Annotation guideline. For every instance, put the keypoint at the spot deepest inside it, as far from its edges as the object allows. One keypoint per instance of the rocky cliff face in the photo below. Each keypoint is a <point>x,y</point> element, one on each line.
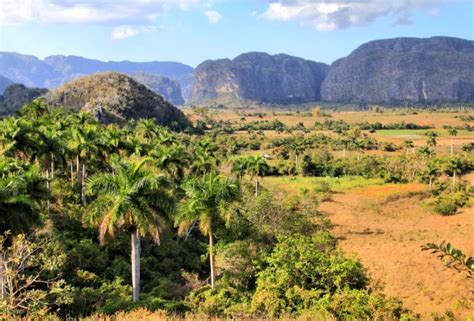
<point>115,97</point>
<point>17,95</point>
<point>169,89</point>
<point>404,70</point>
<point>259,77</point>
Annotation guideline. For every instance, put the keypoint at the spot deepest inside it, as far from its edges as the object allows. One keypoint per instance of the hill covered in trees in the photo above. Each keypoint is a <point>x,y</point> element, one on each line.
<point>115,97</point>
<point>4,83</point>
<point>17,95</point>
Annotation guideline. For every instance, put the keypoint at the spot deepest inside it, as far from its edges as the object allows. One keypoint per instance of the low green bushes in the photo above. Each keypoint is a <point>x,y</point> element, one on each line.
<point>448,204</point>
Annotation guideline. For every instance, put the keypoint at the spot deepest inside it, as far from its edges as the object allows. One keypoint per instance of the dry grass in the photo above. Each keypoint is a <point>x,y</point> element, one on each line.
<point>147,315</point>
<point>385,226</point>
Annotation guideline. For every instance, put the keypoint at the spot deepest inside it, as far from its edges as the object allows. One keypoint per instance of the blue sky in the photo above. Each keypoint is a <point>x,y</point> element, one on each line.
<point>191,31</point>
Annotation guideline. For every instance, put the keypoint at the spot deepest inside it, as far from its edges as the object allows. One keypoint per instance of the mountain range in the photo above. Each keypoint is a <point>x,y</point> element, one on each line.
<point>392,71</point>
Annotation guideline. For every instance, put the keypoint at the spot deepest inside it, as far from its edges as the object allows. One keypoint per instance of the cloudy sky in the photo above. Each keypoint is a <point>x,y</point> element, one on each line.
<point>191,31</point>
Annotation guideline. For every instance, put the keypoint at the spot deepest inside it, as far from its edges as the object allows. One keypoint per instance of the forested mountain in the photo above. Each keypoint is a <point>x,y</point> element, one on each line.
<point>115,97</point>
<point>17,95</point>
<point>402,70</point>
<point>259,77</point>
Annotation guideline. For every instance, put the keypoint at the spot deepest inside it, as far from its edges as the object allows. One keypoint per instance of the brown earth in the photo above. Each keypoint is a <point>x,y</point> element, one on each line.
<point>386,232</point>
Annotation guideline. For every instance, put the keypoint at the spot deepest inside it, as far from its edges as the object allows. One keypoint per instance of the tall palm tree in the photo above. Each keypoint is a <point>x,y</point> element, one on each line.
<point>133,198</point>
<point>256,167</point>
<point>431,173</point>
<point>455,167</point>
<point>452,132</point>
<point>431,141</point>
<point>239,166</point>
<point>206,199</point>
<point>84,144</point>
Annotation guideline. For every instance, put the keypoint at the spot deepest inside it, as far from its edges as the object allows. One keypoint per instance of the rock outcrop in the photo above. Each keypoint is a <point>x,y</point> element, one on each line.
<point>258,77</point>
<point>404,70</point>
<point>168,88</point>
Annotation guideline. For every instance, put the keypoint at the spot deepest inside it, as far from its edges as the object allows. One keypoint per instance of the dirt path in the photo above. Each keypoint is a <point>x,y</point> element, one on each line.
<point>387,235</point>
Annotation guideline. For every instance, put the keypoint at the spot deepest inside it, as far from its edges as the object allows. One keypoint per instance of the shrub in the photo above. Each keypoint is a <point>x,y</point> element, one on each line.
<point>448,204</point>
<point>300,271</point>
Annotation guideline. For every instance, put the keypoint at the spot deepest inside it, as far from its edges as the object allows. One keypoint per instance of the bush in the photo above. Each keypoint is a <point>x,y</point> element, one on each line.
<point>300,271</point>
<point>448,204</point>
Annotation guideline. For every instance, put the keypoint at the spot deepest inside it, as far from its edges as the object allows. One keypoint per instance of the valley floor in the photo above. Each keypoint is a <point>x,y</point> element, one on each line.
<point>386,233</point>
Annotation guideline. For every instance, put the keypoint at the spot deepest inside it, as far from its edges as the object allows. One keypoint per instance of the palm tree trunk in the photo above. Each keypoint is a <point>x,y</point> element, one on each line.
<point>78,169</point>
<point>430,185</point>
<point>83,184</point>
<point>72,172</point>
<point>135,257</point>
<point>211,258</point>
<point>452,146</point>
<point>256,186</point>
<point>454,180</point>
<point>3,282</point>
<point>52,167</point>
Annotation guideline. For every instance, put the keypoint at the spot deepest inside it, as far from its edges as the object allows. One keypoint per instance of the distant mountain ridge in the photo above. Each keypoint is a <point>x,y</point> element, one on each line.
<point>54,71</point>
<point>260,77</point>
<point>395,71</point>
<point>401,70</point>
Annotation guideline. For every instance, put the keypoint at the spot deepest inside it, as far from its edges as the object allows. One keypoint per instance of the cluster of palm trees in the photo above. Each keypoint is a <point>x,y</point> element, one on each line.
<point>137,178</point>
<point>254,166</point>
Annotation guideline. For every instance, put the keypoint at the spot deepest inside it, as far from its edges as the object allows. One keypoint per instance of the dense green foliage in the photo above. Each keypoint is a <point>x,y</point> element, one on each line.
<point>78,194</point>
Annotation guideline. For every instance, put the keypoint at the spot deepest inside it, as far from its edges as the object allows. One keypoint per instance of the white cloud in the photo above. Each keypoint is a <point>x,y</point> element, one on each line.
<point>328,15</point>
<point>213,16</point>
<point>123,32</point>
<point>90,11</point>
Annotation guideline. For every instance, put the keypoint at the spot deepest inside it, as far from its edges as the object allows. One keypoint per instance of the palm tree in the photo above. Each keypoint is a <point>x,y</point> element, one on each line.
<point>452,132</point>
<point>173,159</point>
<point>408,144</point>
<point>358,146</point>
<point>425,151</point>
<point>21,191</point>
<point>297,149</point>
<point>455,167</point>
<point>257,166</point>
<point>133,198</point>
<point>239,166</point>
<point>17,138</point>
<point>431,141</point>
<point>431,173</point>
<point>83,143</point>
<point>206,199</point>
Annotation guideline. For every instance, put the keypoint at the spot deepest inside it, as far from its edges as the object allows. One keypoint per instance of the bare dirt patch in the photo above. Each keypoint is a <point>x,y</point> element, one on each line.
<point>386,236</point>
